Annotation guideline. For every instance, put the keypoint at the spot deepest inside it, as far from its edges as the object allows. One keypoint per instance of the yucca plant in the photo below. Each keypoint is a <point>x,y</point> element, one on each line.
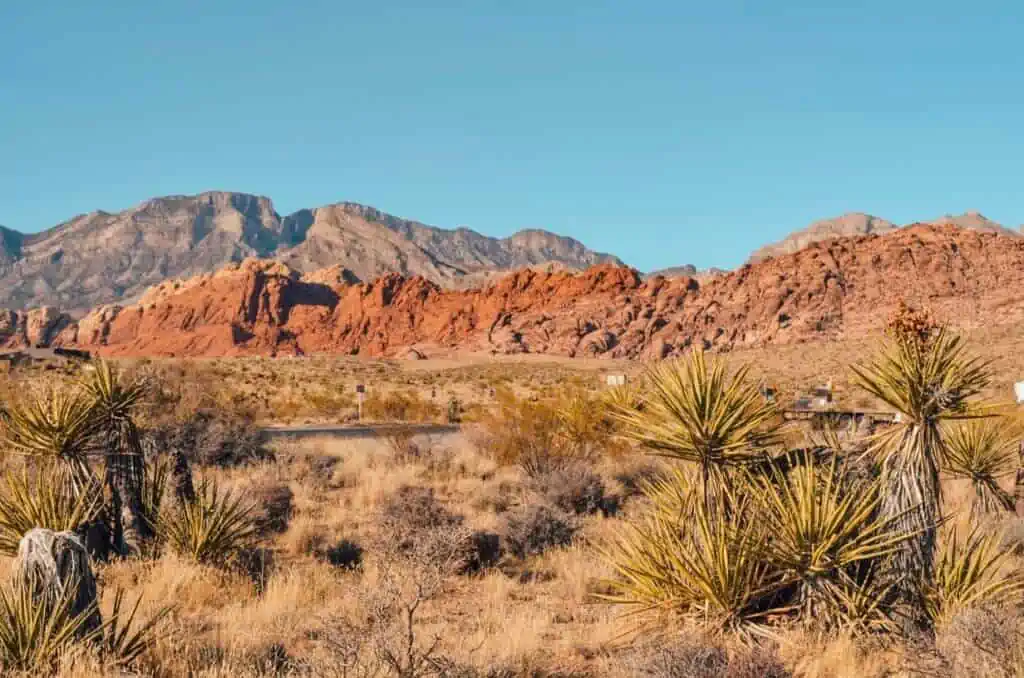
<point>36,632</point>
<point>124,640</point>
<point>53,425</point>
<point>984,452</point>
<point>860,601</point>
<point>821,521</point>
<point>972,571</point>
<point>156,476</point>
<point>212,528</point>
<point>927,379</point>
<point>113,403</point>
<point>49,499</point>
<point>705,567</point>
<point>694,411</point>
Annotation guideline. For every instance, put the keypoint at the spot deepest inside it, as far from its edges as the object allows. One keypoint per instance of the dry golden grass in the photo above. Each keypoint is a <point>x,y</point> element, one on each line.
<point>534,616</point>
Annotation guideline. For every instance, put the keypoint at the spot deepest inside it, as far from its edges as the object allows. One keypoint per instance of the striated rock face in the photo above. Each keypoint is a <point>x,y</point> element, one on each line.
<point>830,289</point>
<point>102,258</point>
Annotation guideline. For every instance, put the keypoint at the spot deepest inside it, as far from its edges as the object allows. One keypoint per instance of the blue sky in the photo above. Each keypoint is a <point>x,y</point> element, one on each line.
<point>666,132</point>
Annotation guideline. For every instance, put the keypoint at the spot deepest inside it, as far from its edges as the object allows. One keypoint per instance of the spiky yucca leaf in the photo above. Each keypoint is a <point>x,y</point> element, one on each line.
<point>36,632</point>
<point>972,571</point>
<point>984,452</point>
<point>212,528</point>
<point>48,499</point>
<point>860,602</point>
<point>112,394</point>
<point>124,641</point>
<point>819,522</point>
<point>54,424</point>
<point>622,398</point>
<point>154,487</point>
<point>705,567</point>
<point>693,410</point>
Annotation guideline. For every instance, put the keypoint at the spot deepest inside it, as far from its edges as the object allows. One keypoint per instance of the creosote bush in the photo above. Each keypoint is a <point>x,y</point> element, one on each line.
<point>534,528</point>
<point>545,435</point>
<point>211,438</point>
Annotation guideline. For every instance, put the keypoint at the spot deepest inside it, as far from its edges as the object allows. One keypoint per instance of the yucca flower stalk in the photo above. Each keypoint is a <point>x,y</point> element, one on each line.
<point>928,379</point>
<point>693,410</point>
<point>984,452</point>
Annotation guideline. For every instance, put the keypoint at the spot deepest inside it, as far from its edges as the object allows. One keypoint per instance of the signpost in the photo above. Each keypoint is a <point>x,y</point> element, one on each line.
<point>360,395</point>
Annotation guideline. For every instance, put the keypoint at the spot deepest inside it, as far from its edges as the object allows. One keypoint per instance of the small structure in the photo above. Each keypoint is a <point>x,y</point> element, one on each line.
<point>1018,391</point>
<point>615,380</point>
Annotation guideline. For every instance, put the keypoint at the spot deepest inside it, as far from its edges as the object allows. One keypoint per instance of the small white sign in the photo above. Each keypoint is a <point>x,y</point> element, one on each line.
<point>615,379</point>
<point>1018,390</point>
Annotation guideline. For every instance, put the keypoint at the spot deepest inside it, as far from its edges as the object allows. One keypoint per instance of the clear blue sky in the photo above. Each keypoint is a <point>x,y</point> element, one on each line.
<point>664,131</point>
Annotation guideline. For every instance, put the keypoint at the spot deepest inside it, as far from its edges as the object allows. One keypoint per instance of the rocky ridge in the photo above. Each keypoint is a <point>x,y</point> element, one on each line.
<point>101,258</point>
<point>858,223</point>
<point>832,289</point>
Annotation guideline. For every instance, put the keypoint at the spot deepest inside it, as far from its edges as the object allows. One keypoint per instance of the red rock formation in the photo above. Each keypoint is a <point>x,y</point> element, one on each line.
<point>831,289</point>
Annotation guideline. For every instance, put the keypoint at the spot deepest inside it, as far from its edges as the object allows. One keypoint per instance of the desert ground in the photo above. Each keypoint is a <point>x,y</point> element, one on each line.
<point>464,554</point>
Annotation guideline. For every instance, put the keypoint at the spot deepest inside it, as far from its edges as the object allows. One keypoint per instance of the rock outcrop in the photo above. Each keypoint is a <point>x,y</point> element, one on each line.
<point>830,289</point>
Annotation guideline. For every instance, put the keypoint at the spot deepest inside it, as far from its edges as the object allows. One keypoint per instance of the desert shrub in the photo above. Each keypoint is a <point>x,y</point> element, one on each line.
<point>983,643</point>
<point>483,550</point>
<point>542,436</point>
<point>691,656</point>
<point>414,509</point>
<point>415,526</point>
<point>399,406</point>
<point>211,529</point>
<point>345,554</point>
<point>212,439</point>
<point>574,489</point>
<point>535,528</point>
<point>273,507</point>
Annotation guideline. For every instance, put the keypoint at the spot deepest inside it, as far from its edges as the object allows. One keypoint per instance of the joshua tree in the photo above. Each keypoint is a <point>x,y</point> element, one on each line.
<point>927,377</point>
<point>113,405</point>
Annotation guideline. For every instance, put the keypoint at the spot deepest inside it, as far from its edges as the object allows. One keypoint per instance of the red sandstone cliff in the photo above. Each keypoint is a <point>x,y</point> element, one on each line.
<point>830,289</point>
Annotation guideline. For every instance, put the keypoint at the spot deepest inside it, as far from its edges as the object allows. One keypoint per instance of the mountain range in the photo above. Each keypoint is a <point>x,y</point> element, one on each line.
<point>102,257</point>
<point>838,289</point>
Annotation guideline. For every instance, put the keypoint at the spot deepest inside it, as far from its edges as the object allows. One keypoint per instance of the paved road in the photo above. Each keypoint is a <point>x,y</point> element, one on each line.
<point>374,431</point>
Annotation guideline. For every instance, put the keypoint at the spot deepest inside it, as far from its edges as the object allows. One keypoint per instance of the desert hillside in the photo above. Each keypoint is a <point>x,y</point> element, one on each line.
<point>839,288</point>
